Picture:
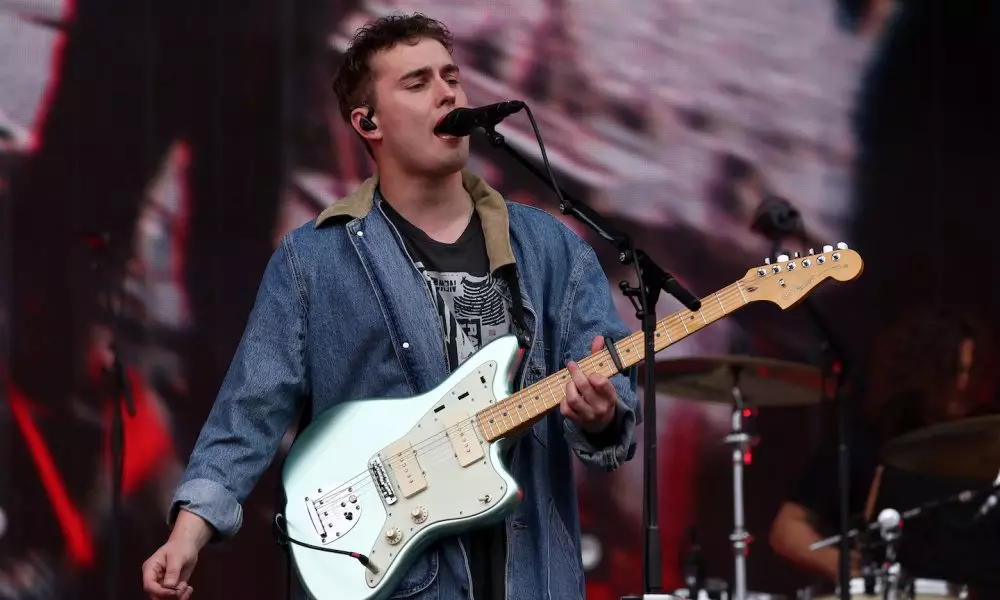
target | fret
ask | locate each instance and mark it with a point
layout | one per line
(683, 324)
(666, 330)
(487, 422)
(528, 403)
(507, 405)
(519, 407)
(740, 288)
(555, 399)
(720, 302)
(610, 364)
(637, 354)
(702, 313)
(537, 403)
(504, 415)
(494, 417)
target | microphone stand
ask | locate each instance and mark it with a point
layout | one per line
(652, 280)
(776, 220)
(121, 392)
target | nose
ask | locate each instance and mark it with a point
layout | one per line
(447, 93)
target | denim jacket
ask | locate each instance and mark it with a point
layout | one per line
(342, 313)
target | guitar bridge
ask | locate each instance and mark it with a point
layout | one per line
(332, 517)
(381, 480)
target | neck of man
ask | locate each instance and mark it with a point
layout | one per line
(438, 206)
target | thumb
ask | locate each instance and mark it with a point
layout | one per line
(597, 344)
(173, 571)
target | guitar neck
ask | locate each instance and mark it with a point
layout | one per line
(523, 408)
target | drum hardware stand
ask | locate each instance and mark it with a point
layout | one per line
(889, 527)
(741, 442)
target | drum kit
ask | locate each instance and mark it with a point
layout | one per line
(968, 449)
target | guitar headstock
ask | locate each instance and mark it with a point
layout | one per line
(789, 279)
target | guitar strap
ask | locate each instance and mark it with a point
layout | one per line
(509, 275)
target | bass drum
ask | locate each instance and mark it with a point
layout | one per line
(923, 589)
(720, 592)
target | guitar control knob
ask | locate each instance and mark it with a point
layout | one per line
(393, 535)
(419, 514)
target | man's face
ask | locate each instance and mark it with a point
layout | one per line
(416, 85)
(960, 398)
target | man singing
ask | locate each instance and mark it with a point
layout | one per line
(384, 294)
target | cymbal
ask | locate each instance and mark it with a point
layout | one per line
(964, 449)
(762, 381)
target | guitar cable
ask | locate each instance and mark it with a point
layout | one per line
(283, 536)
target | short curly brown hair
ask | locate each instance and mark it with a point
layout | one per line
(916, 360)
(353, 84)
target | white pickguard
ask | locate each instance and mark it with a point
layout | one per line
(328, 467)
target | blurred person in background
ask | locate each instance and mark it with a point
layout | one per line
(933, 366)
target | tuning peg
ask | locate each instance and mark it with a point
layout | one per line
(795, 255)
(841, 246)
(811, 252)
(782, 258)
(767, 260)
(827, 248)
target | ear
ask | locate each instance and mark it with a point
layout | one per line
(356, 116)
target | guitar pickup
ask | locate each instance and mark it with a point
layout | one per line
(402, 461)
(462, 436)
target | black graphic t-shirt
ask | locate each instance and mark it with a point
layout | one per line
(471, 310)
(472, 314)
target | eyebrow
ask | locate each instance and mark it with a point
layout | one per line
(449, 69)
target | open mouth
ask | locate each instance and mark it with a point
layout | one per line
(443, 136)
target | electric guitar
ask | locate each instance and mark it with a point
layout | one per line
(371, 483)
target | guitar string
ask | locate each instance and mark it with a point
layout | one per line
(494, 410)
(427, 447)
(427, 444)
(434, 443)
(436, 439)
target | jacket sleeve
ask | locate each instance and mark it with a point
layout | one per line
(265, 385)
(589, 311)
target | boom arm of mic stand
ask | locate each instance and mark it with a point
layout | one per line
(653, 274)
(652, 279)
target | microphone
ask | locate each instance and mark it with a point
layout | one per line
(462, 121)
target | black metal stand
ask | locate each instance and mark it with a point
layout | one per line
(834, 365)
(777, 220)
(651, 281)
(121, 392)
